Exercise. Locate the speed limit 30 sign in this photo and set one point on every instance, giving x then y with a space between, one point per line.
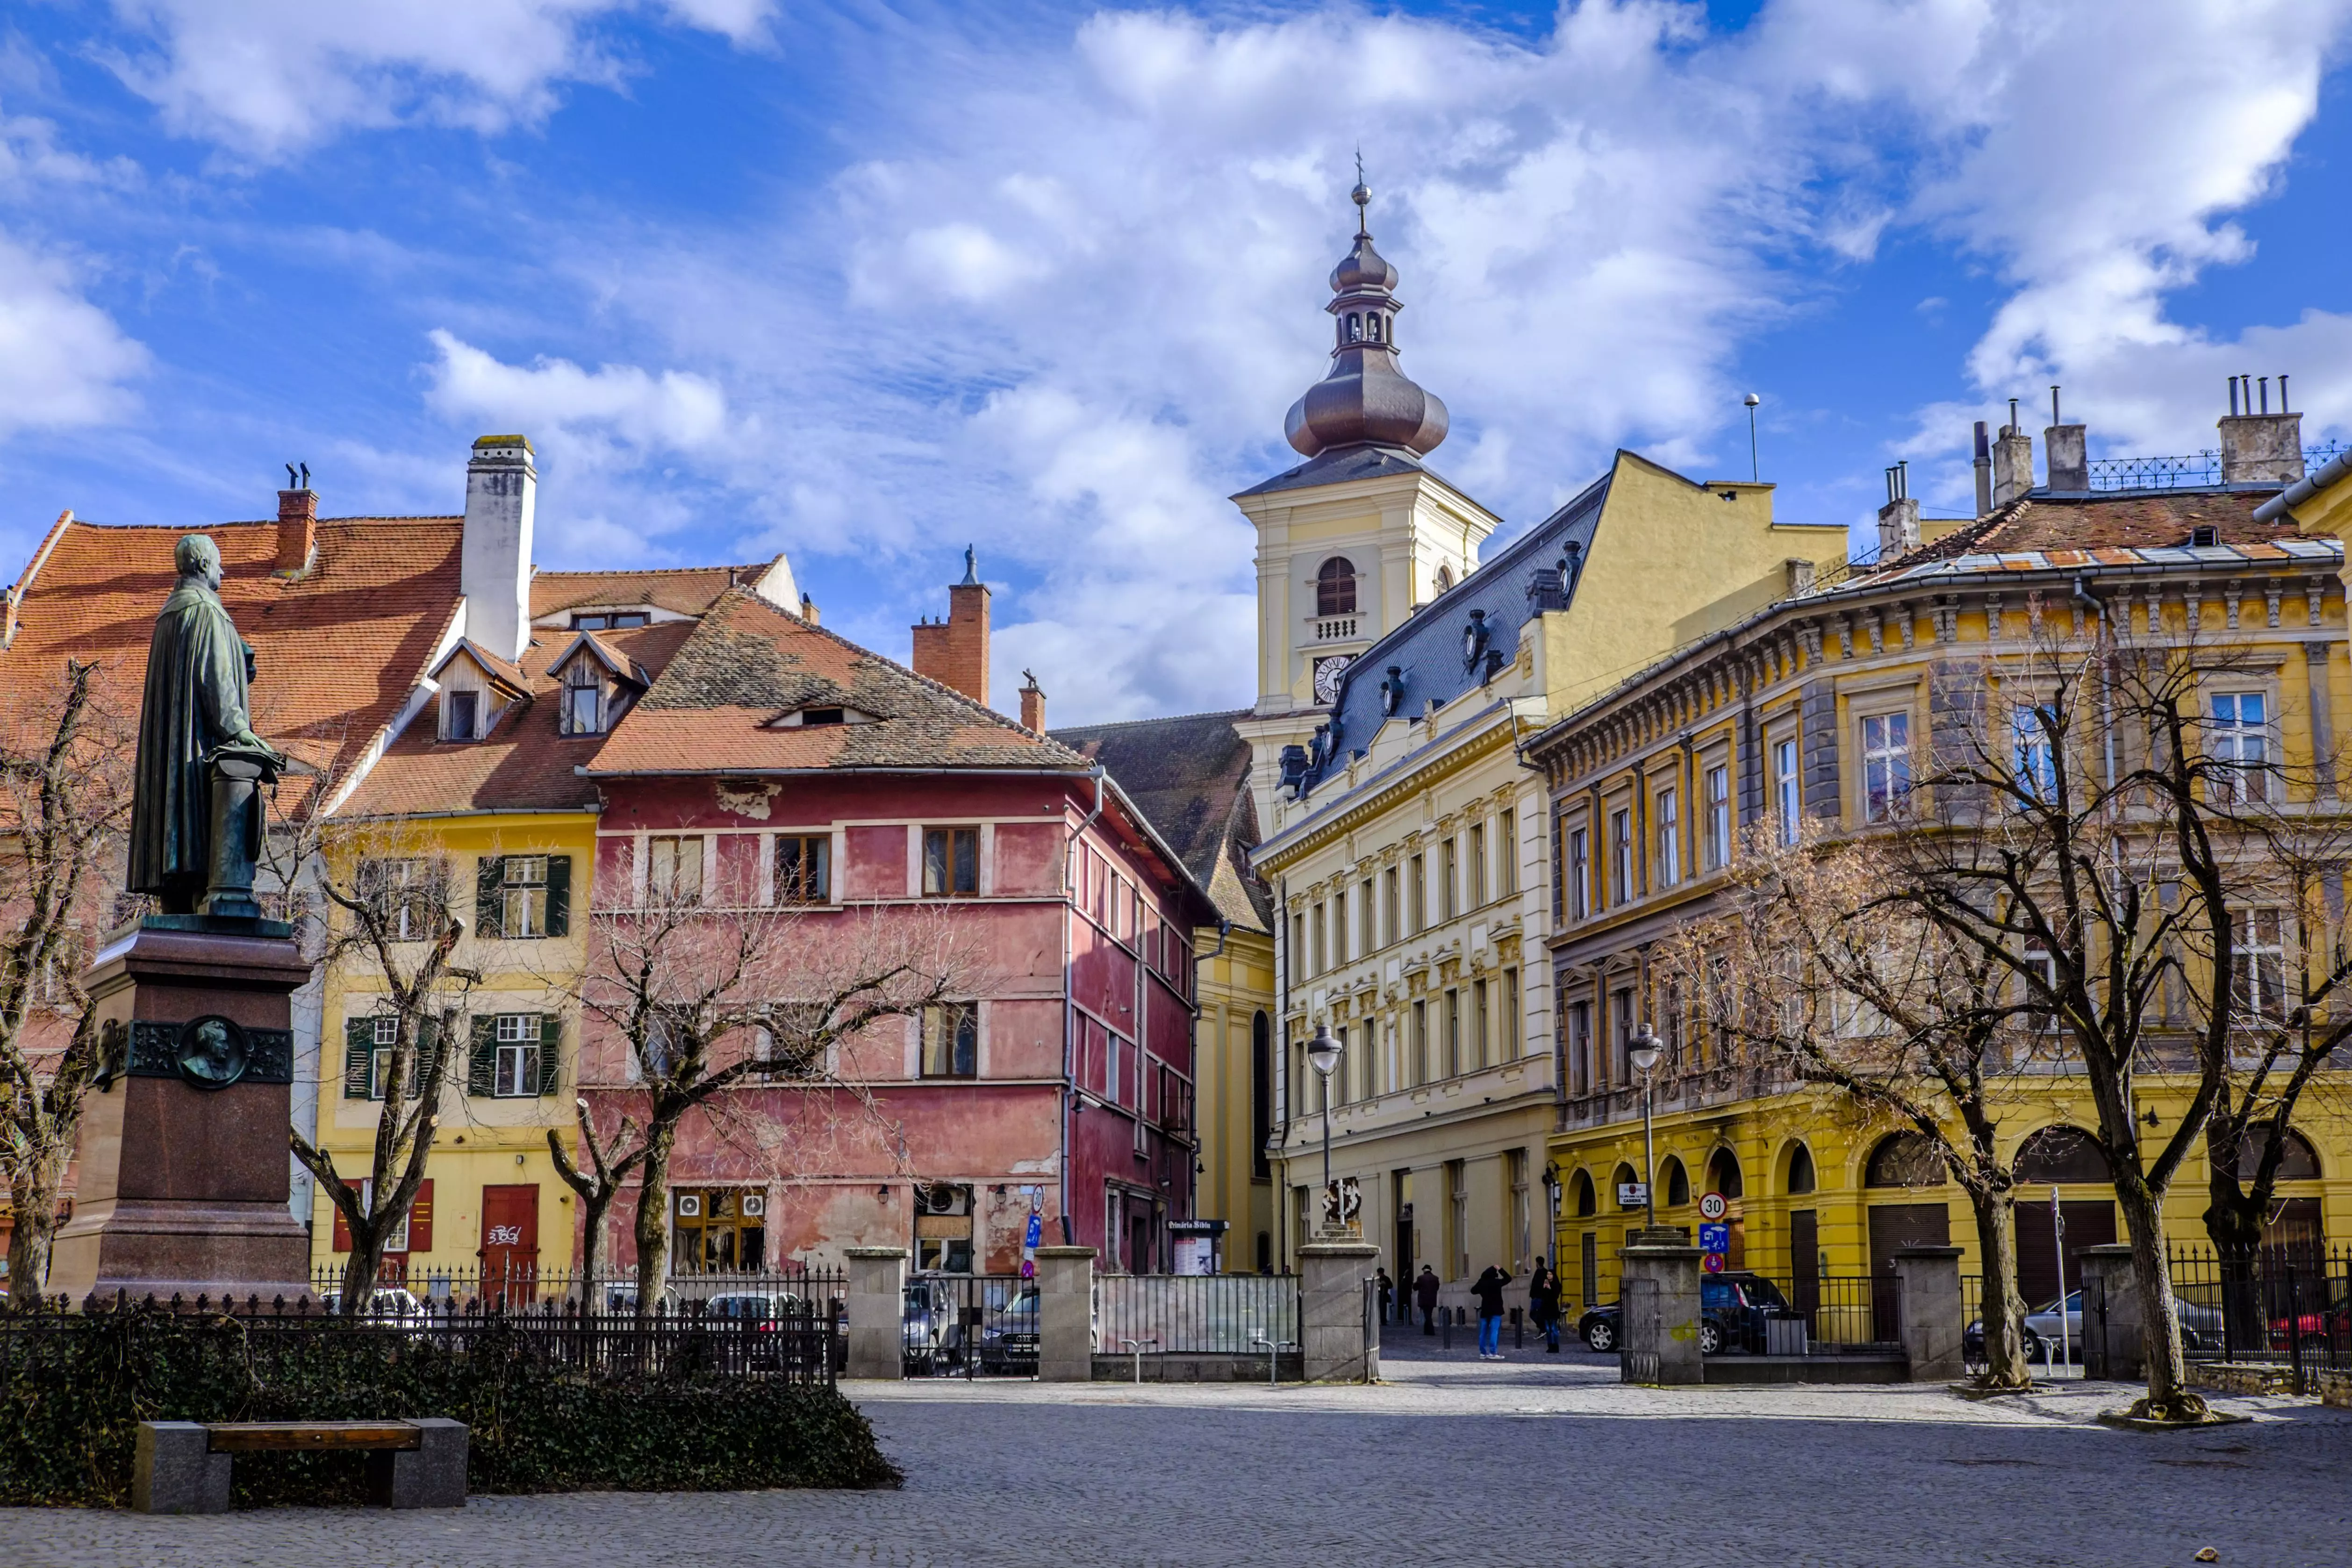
1712 1207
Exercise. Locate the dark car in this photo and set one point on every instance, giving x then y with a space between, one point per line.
1732 1308
1008 1336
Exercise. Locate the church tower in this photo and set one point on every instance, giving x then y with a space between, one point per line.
1360 535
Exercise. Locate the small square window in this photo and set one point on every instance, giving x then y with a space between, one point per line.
951 862
951 1040
804 868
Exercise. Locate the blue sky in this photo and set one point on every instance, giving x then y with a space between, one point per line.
867 282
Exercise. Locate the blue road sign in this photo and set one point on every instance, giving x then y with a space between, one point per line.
1715 1239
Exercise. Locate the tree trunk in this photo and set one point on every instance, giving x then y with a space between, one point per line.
33 1190
360 1271
2233 1221
653 1213
2004 1305
2168 1396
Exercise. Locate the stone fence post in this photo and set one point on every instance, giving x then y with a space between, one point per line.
1661 1322
1066 1315
2116 1350
1333 1346
1935 1325
877 1310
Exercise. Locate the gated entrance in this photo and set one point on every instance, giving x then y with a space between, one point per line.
970 1325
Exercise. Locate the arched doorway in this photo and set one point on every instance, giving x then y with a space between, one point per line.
1905 1162
2059 1157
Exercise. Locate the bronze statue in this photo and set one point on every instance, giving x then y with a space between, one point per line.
195 816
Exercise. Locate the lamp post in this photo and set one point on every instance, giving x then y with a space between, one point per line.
1641 1051
1323 1055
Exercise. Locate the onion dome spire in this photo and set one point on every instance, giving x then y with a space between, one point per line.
1365 399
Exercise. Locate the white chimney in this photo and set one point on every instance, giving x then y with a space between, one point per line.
501 494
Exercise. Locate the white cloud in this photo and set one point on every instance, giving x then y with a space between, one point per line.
63 361
267 76
612 406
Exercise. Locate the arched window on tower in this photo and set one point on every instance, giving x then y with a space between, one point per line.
1335 587
1355 328
1444 578
1372 326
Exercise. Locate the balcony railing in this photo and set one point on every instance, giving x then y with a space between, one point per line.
1335 628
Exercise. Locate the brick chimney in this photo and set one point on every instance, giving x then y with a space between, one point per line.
1032 704
2260 448
2013 462
2065 448
808 609
954 652
298 530
1898 521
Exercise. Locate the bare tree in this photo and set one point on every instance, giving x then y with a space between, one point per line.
390 915
704 1000
65 801
608 1166
2092 835
1812 968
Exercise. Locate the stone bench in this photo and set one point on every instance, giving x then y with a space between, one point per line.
182 1466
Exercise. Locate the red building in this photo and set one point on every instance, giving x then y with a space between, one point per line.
772 761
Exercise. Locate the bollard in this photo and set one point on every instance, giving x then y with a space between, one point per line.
1445 1327
1518 1330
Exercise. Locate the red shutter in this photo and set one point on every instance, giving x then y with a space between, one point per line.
343 1228
420 1219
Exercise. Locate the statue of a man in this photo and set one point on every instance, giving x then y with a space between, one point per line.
194 814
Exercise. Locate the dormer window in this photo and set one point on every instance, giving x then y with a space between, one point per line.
814 717
464 712
608 620
584 698
824 715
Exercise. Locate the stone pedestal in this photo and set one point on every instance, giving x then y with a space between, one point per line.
183 1160
1066 1315
1935 1325
1657 1315
1334 1344
876 1311
2115 1351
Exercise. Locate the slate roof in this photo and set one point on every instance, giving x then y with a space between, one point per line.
686 590
1342 464
525 763
1428 649
749 662
336 650
1190 776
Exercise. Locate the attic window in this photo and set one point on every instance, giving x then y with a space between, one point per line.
600 621
465 716
2204 536
584 698
824 715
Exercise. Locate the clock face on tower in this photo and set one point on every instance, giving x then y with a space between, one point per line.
1327 671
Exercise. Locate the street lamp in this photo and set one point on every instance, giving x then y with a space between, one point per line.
1641 1051
1323 1055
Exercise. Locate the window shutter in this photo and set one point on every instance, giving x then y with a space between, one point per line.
482 1066
551 1049
490 896
358 1044
558 895
428 1047
420 1219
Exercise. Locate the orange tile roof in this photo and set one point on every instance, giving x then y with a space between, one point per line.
748 663
525 763
2136 521
335 651
686 590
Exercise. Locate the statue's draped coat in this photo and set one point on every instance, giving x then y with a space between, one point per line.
195 700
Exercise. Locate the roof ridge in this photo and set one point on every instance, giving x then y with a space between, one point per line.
647 571
1235 712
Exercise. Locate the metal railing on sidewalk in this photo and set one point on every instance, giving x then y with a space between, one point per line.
1197 1314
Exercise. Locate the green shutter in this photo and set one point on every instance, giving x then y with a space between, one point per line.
550 1045
558 895
490 896
358 1044
482 1066
428 1047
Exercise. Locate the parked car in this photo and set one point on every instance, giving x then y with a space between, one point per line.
1732 1308
2201 1329
1008 1336
930 1336
388 1306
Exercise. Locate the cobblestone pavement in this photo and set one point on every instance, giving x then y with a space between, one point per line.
1537 1461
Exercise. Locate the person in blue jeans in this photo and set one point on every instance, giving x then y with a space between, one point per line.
1543 1304
1489 1292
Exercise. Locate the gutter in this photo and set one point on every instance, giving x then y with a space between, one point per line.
2303 489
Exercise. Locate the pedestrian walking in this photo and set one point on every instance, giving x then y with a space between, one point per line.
1424 1295
1543 1305
1387 1288
1489 1292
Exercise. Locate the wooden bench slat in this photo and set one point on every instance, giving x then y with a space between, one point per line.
272 1436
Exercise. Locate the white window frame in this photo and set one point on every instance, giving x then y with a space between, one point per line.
2034 750
1621 854
1718 816
1788 787
514 1073
1670 837
2241 746
1885 764
1580 874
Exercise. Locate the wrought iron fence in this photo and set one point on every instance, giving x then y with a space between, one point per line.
798 1339
2287 1305
964 1325
1853 1313
2188 471
1190 1314
610 1290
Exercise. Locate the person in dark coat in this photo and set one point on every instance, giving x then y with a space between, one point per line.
1543 1304
1387 1288
1489 1292
1424 1295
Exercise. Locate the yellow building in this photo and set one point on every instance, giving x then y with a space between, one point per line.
1788 715
1398 675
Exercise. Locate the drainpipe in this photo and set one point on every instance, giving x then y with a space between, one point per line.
1069 1078
1278 1044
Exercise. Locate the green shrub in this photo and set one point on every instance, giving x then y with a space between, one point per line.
74 1388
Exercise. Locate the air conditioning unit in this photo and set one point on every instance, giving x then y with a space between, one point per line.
945 1197
755 1205
689 1206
